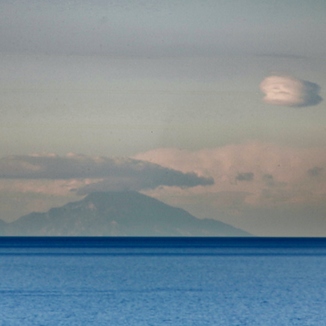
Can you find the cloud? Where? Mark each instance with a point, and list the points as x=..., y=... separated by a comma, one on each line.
x=269, y=179
x=290, y=91
x=264, y=174
x=248, y=176
x=315, y=171
x=83, y=173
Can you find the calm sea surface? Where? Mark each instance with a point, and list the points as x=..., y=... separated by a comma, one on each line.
x=162, y=281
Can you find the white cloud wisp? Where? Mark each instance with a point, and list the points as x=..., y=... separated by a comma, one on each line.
x=290, y=91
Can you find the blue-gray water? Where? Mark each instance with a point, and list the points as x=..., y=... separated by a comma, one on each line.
x=162, y=281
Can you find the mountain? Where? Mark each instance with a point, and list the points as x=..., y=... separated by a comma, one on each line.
x=117, y=214
x=3, y=226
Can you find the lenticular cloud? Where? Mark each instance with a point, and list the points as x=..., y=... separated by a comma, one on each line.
x=290, y=91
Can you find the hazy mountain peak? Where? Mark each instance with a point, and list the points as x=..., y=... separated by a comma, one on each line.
x=118, y=213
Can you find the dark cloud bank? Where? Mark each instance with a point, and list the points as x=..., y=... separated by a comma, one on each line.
x=247, y=176
x=114, y=174
x=315, y=172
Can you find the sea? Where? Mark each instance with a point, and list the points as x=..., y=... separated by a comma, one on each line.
x=162, y=281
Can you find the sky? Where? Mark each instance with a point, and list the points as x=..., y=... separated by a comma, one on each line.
x=217, y=107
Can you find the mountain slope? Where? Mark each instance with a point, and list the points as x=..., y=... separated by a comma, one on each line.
x=3, y=226
x=118, y=214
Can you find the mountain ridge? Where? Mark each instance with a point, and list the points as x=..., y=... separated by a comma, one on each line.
x=125, y=213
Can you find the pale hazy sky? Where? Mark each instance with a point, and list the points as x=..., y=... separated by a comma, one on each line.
x=229, y=90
